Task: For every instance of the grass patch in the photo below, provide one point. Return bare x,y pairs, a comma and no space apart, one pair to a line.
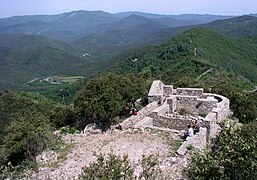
62,150
173,143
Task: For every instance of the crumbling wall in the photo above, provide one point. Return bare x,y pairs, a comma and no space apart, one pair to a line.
210,122
212,107
168,90
178,123
144,112
192,104
190,91
198,141
206,105
172,102
186,103
222,109
156,92
159,111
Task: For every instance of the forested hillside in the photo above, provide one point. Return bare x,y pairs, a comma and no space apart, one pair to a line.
242,26
194,51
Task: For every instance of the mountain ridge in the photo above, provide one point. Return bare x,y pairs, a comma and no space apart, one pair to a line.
79,22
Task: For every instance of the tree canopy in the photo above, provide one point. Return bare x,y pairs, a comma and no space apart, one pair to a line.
106,95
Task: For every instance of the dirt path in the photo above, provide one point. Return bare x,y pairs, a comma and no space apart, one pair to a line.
209,70
134,144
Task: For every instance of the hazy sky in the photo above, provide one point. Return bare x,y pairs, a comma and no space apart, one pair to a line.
225,7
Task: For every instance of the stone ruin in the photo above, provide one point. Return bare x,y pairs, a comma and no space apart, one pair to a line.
175,108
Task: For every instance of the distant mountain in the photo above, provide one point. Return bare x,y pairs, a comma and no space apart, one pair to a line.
243,27
75,24
238,26
132,30
119,35
24,57
195,17
255,15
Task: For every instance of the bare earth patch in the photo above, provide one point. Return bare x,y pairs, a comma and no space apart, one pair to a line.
134,144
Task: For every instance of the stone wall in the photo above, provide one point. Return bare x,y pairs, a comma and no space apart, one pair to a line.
205,106
187,103
172,102
212,108
168,90
210,122
156,92
157,97
177,122
160,111
144,112
222,109
192,104
198,141
190,91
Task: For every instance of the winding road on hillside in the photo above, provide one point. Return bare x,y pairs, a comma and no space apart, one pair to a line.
255,90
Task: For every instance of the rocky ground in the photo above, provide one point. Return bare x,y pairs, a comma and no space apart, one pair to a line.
134,143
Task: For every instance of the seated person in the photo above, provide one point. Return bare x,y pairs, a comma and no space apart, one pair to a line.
189,131
196,127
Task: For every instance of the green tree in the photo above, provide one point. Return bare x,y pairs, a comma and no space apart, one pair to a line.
106,95
26,136
25,128
100,97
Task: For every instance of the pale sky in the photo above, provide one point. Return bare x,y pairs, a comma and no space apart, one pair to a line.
220,7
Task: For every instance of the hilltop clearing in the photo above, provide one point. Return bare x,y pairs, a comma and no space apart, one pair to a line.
134,144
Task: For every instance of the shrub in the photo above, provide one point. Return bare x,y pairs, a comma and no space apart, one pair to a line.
117,167
232,155
26,136
112,167
150,168
69,130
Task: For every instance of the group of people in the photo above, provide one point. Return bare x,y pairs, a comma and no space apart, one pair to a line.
192,129
129,110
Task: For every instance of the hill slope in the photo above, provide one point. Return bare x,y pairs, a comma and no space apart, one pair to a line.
192,53
24,58
239,26
19,42
242,26
117,36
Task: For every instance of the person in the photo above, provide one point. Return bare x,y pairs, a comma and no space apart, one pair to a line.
134,112
196,127
189,132
126,108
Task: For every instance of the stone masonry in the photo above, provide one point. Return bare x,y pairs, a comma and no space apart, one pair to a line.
175,108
